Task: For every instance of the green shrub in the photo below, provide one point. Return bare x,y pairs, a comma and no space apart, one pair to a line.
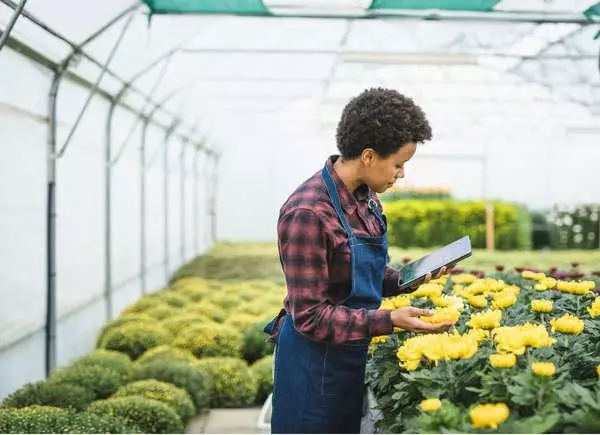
182,321
241,321
429,223
177,398
263,370
101,381
165,353
209,310
162,311
193,379
124,320
47,393
210,340
135,339
117,361
234,384
255,344
227,301
254,308
171,298
45,419
141,305
193,294
151,416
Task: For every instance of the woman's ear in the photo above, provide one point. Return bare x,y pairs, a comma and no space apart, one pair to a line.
368,156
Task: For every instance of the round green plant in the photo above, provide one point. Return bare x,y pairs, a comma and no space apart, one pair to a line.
210,340
193,379
234,384
177,398
151,416
135,339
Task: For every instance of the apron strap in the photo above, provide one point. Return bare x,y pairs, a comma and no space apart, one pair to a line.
335,199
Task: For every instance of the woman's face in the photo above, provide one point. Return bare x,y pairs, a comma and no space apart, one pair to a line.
381,173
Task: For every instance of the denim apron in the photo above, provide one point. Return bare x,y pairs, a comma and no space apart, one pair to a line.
319,387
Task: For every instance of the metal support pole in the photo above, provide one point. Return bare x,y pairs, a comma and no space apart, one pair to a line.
11,23
143,206
108,212
196,202
50,351
213,208
168,134
182,200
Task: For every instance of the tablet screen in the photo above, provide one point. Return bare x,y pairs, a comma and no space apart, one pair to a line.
451,253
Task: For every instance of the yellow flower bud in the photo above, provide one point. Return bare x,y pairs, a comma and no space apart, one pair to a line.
489,415
543,368
431,405
541,306
499,360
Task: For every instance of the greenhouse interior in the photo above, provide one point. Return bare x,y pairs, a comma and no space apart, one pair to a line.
149,148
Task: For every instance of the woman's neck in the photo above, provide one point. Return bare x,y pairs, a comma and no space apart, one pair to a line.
348,171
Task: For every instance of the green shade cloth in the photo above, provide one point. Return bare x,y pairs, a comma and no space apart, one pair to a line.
448,5
235,7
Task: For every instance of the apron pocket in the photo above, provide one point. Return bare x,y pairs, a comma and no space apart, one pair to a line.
344,370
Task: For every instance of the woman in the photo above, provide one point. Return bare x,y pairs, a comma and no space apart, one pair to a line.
333,250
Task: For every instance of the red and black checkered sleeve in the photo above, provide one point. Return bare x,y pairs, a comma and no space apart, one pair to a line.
303,250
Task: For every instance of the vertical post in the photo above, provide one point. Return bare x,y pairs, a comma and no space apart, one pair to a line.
143,205
489,227
166,203
108,212
215,187
195,194
50,354
182,200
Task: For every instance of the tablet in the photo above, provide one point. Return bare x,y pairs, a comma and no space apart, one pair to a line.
414,272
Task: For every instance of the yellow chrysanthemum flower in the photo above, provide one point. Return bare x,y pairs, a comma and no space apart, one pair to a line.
401,301
489,415
515,339
540,287
431,405
576,288
477,301
489,319
527,274
548,282
543,368
386,304
594,310
541,306
441,315
504,300
567,324
499,360
428,290
598,370
464,278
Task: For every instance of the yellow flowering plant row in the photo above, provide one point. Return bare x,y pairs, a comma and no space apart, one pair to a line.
523,357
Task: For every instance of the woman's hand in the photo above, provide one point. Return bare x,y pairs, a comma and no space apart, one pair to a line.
407,318
428,278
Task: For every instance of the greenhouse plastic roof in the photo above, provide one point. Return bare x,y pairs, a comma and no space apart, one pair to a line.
289,74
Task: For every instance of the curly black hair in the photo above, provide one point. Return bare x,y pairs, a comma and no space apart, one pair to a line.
381,119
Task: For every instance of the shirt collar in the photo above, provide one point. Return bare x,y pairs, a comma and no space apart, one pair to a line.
347,199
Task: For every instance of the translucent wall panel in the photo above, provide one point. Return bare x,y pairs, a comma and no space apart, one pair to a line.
23,198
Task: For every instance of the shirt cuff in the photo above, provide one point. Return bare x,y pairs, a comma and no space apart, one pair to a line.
380,322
